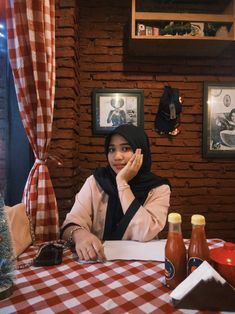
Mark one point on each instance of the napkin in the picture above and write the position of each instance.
(204, 289)
(133, 250)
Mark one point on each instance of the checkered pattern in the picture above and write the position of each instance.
(111, 287)
(31, 40)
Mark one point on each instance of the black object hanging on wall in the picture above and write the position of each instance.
(170, 107)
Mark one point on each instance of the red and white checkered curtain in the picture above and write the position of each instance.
(31, 43)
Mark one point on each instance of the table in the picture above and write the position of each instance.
(112, 287)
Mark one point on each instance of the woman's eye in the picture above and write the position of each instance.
(126, 148)
(110, 150)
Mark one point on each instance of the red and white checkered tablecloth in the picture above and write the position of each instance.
(110, 287)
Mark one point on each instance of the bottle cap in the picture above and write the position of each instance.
(174, 218)
(198, 220)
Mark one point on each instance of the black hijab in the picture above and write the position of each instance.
(115, 222)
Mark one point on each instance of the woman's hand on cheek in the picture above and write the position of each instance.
(132, 167)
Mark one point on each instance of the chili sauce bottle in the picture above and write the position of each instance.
(198, 250)
(175, 253)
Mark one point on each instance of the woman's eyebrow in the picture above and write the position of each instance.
(121, 144)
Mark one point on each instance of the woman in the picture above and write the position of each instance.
(121, 201)
(118, 115)
(222, 122)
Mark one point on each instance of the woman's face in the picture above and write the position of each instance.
(119, 152)
(233, 117)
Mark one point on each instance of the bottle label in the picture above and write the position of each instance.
(193, 263)
(169, 269)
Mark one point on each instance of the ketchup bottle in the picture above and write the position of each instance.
(198, 250)
(175, 253)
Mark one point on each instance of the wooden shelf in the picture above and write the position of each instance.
(177, 47)
(182, 45)
(144, 16)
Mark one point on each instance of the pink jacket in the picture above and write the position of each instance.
(89, 211)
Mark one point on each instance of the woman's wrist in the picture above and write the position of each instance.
(123, 186)
(72, 233)
(65, 231)
(121, 181)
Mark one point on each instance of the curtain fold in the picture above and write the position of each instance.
(31, 44)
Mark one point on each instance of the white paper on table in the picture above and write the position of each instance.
(133, 250)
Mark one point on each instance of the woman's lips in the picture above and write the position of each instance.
(119, 167)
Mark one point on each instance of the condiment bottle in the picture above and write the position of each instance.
(198, 250)
(175, 253)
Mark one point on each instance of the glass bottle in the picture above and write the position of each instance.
(198, 250)
(175, 253)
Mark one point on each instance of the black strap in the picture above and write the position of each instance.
(112, 205)
(124, 222)
(172, 108)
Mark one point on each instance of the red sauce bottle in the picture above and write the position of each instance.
(198, 250)
(175, 253)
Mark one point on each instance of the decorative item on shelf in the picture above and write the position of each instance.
(155, 31)
(149, 31)
(176, 28)
(210, 29)
(222, 31)
(197, 29)
(217, 29)
(141, 29)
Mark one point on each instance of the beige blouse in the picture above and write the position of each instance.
(89, 211)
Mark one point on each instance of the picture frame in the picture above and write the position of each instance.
(219, 119)
(113, 107)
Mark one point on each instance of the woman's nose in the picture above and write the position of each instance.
(118, 155)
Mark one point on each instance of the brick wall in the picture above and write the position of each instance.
(91, 39)
(65, 138)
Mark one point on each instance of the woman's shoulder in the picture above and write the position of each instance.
(94, 185)
(160, 193)
(89, 183)
(90, 180)
(164, 188)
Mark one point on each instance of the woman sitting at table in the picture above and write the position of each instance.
(124, 200)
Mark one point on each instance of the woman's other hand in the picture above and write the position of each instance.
(88, 246)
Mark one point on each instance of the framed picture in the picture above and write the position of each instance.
(219, 120)
(113, 107)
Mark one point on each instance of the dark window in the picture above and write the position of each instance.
(16, 156)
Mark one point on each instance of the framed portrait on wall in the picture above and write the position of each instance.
(219, 119)
(113, 107)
